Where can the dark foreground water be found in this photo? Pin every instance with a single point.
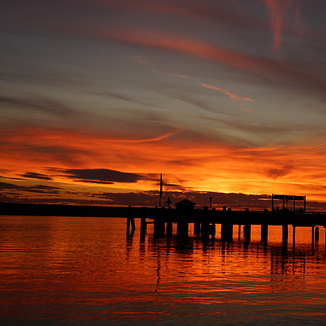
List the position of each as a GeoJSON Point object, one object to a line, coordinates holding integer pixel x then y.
{"type": "Point", "coordinates": [84, 271]}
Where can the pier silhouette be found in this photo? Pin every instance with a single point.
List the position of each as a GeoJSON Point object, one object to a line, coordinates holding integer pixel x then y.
{"type": "Point", "coordinates": [204, 220]}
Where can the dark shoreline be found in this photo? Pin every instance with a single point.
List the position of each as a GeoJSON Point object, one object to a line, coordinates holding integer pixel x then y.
{"type": "Point", "coordinates": [66, 210]}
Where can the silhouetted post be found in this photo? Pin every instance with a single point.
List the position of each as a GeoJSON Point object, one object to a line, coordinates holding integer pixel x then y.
{"type": "Point", "coordinates": [159, 224]}
{"type": "Point", "coordinates": [205, 226]}
{"type": "Point", "coordinates": [143, 223]}
{"type": "Point", "coordinates": [264, 233]}
{"type": "Point", "coordinates": [169, 219]}
{"type": "Point", "coordinates": [204, 230]}
{"type": "Point", "coordinates": [131, 218]}
{"type": "Point", "coordinates": [293, 236]}
{"type": "Point", "coordinates": [130, 221]}
{"type": "Point", "coordinates": [226, 231]}
{"type": "Point", "coordinates": [247, 232]}
{"type": "Point", "coordinates": [239, 232]}
{"type": "Point", "coordinates": [143, 229]}
{"type": "Point", "coordinates": [197, 229]}
{"type": "Point", "coordinates": [285, 233]}
{"type": "Point", "coordinates": [169, 229]}
{"type": "Point", "coordinates": [317, 234]}
{"type": "Point", "coordinates": [226, 226]}
{"type": "Point", "coordinates": [313, 238]}
{"type": "Point", "coordinates": [213, 229]}
{"type": "Point", "coordinates": [208, 229]}
{"type": "Point", "coordinates": [158, 227]}
{"type": "Point", "coordinates": [182, 229]}
{"type": "Point", "coordinates": [161, 190]}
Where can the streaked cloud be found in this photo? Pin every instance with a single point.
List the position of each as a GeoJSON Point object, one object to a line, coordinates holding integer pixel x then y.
{"type": "Point", "coordinates": [35, 189]}
{"type": "Point", "coordinates": [38, 104]}
{"type": "Point", "coordinates": [231, 95]}
{"type": "Point", "coordinates": [104, 176]}
{"type": "Point", "coordinates": [34, 175]}
{"type": "Point", "coordinates": [162, 137]}
{"type": "Point", "coordinates": [185, 44]}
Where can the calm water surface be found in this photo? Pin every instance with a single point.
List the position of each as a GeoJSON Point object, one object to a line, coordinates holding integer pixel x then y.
{"type": "Point", "coordinates": [84, 271]}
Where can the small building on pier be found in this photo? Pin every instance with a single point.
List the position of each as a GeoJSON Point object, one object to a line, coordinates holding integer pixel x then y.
{"type": "Point", "coordinates": [185, 204]}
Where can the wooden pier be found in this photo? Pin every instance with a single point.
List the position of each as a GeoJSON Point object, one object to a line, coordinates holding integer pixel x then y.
{"type": "Point", "coordinates": [205, 220]}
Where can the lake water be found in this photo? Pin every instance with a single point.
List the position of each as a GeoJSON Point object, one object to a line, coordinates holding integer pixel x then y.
{"type": "Point", "coordinates": [84, 271]}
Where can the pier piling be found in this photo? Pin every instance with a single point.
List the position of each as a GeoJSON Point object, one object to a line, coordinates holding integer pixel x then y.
{"type": "Point", "coordinates": [293, 235]}
{"type": "Point", "coordinates": [143, 225]}
{"type": "Point", "coordinates": [169, 229]}
{"type": "Point", "coordinates": [130, 223]}
{"type": "Point", "coordinates": [317, 234]}
{"type": "Point", "coordinates": [182, 229]}
{"type": "Point", "coordinates": [247, 232]}
{"type": "Point", "coordinates": [159, 227]}
{"type": "Point", "coordinates": [226, 231]}
{"type": "Point", "coordinates": [285, 233]}
{"type": "Point", "coordinates": [197, 229]}
{"type": "Point", "coordinates": [264, 232]}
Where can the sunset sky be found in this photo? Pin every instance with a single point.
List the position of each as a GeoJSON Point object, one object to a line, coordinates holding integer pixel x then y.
{"type": "Point", "coordinates": [98, 97]}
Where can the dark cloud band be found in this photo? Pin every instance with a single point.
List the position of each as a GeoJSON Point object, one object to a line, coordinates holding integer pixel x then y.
{"type": "Point", "coordinates": [105, 176]}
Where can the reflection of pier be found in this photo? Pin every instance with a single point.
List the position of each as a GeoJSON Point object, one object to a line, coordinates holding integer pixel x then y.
{"type": "Point", "coordinates": [205, 220]}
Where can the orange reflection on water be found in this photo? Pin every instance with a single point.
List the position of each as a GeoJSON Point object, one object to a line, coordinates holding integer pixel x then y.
{"type": "Point", "coordinates": [75, 269]}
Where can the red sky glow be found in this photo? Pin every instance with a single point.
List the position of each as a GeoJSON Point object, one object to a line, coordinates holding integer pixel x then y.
{"type": "Point", "coordinates": [225, 98]}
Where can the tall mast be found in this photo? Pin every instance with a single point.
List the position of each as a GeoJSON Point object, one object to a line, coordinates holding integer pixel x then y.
{"type": "Point", "coordinates": [161, 190]}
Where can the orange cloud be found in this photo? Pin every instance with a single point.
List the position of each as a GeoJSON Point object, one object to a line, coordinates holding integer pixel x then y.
{"type": "Point", "coordinates": [178, 75]}
{"type": "Point", "coordinates": [231, 95]}
{"type": "Point", "coordinates": [146, 140]}
{"type": "Point", "coordinates": [182, 44]}
{"type": "Point", "coordinates": [278, 10]}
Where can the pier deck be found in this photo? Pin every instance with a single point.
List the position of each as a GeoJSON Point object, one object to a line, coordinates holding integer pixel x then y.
{"type": "Point", "coordinates": [204, 221]}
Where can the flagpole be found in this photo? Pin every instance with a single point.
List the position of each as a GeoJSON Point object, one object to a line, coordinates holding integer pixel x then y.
{"type": "Point", "coordinates": [161, 190]}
